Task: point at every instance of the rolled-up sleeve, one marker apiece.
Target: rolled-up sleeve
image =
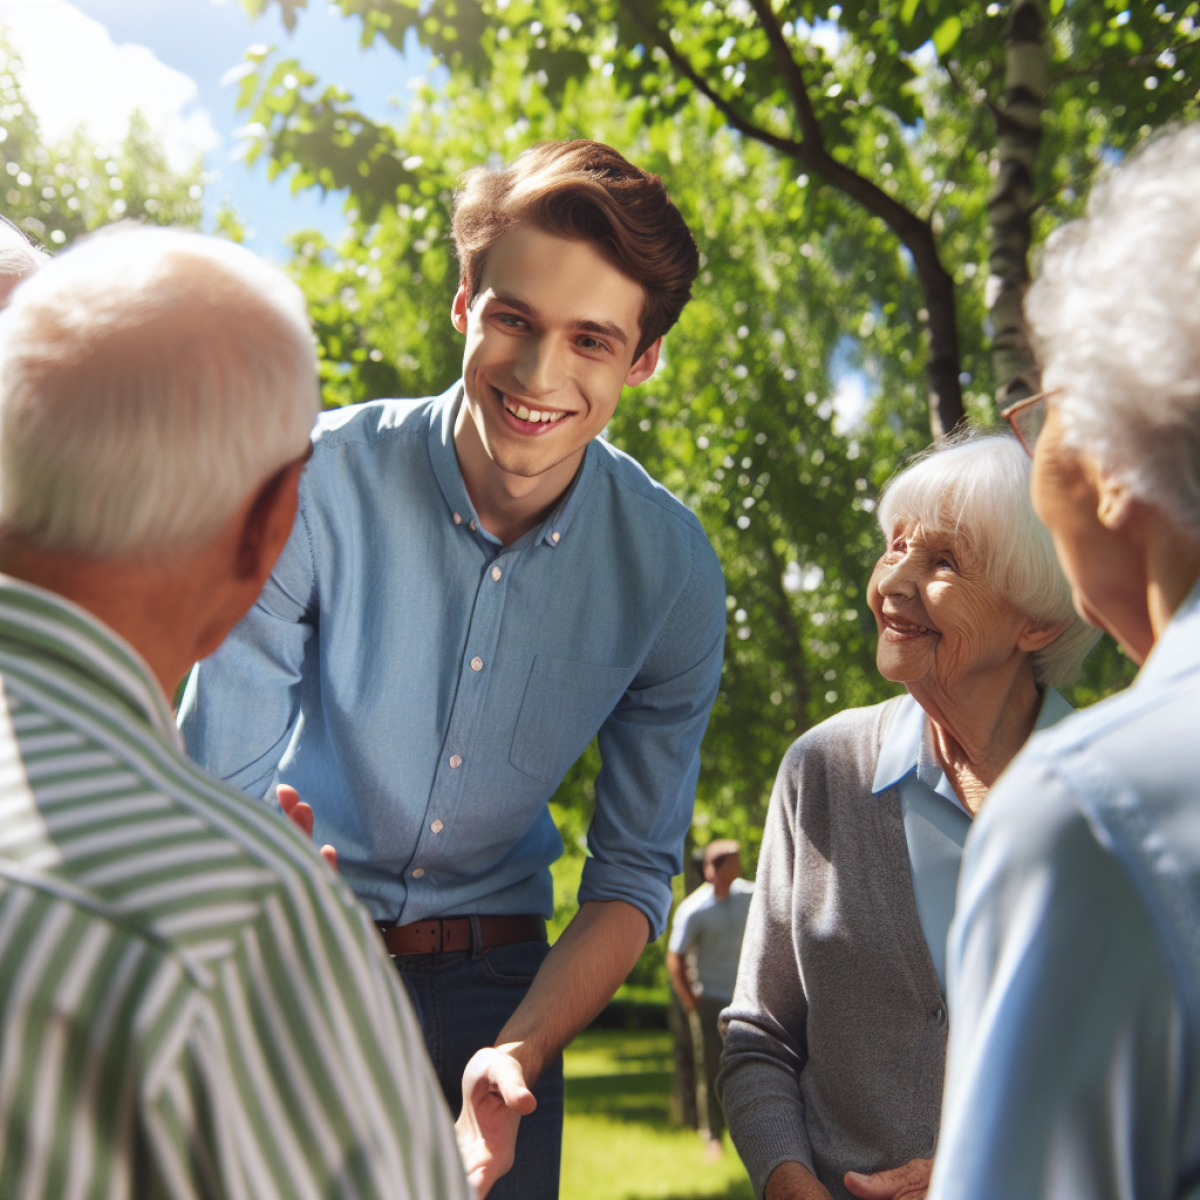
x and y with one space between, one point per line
765 1043
650 750
241 703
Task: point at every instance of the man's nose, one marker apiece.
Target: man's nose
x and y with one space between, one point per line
540 370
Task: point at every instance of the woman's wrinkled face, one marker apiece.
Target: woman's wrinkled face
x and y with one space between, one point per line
940 620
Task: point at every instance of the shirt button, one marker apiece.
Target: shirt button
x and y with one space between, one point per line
496 573
555 536
458 518
455 761
436 827
418 872
473 526
477 663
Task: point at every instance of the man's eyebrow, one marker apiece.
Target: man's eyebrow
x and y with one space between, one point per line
604 328
583 325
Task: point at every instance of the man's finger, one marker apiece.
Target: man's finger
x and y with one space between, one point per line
907 1182
507 1078
329 854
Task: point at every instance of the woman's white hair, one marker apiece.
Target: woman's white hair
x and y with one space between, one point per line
150 379
1115 317
976 488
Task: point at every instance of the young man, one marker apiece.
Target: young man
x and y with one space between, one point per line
709 926
193 1005
475 588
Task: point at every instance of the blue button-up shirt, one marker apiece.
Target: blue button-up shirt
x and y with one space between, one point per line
425 688
935 822
1073 1068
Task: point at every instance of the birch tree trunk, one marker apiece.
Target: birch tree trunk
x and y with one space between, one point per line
1010 208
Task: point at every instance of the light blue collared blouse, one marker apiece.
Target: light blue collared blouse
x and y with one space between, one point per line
1073 1068
935 822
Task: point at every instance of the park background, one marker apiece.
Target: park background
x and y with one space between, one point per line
869 183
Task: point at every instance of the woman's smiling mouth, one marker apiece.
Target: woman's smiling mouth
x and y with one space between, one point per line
897 629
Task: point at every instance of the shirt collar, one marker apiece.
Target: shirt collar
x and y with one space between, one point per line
446 470
908 745
1177 651
46 625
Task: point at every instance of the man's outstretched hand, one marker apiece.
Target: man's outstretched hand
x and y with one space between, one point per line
495 1098
301 815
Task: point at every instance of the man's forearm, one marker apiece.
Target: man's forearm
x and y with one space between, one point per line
583 970
677 973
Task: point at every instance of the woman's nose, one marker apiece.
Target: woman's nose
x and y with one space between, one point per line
896 579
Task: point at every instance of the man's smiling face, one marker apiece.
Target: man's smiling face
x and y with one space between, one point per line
551 335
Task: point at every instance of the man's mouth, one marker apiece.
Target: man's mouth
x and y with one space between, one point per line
531 416
902 630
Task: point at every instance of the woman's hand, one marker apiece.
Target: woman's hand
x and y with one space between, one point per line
909 1182
792 1181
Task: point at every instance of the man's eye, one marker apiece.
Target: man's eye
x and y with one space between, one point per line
590 343
511 321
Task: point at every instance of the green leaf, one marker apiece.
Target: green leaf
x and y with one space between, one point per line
909 11
946 35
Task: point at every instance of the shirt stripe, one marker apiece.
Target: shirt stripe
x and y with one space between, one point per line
192 1005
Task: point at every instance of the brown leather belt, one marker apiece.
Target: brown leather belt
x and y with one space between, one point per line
446 934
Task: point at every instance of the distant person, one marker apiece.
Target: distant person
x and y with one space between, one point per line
837 1033
18 258
708 928
193 1004
478 585
1074 1061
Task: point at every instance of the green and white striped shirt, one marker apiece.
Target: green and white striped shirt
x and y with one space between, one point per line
192 1004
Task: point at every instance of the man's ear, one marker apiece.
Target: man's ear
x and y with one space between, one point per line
1115 504
268 523
458 309
645 364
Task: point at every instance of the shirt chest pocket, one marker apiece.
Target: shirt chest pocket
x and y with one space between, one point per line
565 703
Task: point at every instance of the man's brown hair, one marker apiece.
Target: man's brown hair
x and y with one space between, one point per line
585 191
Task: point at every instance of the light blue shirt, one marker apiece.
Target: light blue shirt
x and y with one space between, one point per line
425 688
1073 1067
935 822
712 930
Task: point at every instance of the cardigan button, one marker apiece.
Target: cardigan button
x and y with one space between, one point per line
939 1015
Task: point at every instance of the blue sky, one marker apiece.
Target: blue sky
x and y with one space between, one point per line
86 60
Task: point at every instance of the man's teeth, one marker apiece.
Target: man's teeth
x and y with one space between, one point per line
533 415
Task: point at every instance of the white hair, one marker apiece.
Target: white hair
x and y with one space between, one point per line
1115 316
18 258
150 380
976 488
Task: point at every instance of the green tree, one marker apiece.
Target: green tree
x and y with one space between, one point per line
56 192
855 108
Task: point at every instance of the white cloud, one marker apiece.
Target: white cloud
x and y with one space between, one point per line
74 75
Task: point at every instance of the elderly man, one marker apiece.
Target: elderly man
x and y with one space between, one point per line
193 1004
708 928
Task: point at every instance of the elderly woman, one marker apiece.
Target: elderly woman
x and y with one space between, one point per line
837 1031
1074 1064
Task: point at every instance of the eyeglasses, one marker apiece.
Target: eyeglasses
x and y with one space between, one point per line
29 237
1027 418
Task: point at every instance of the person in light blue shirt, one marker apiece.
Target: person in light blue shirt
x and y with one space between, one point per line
1074 959
477 585
837 1030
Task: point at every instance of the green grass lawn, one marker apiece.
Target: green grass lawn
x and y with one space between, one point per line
618 1142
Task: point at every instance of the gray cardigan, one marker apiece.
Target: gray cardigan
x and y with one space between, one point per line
837 1032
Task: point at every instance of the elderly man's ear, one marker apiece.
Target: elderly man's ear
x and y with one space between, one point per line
267 524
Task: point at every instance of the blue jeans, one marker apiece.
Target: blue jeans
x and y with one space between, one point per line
463 1001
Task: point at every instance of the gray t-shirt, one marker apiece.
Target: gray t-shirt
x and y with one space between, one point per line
712 929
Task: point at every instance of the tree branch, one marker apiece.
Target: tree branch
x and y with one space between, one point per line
793 76
1138 61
